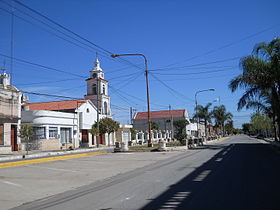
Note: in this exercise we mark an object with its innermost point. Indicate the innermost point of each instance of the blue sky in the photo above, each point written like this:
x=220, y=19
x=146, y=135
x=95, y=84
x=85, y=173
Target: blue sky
x=190, y=46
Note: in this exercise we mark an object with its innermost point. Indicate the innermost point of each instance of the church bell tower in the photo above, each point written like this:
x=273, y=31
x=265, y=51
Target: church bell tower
x=97, y=89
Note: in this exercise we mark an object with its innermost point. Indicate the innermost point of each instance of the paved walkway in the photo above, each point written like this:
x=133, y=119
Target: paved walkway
x=38, y=154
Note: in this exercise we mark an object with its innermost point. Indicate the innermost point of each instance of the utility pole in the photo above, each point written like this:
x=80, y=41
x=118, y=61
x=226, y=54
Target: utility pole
x=171, y=122
x=150, y=143
x=97, y=123
x=131, y=115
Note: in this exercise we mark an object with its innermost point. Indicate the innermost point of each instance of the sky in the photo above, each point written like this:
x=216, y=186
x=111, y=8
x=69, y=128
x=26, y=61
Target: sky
x=190, y=46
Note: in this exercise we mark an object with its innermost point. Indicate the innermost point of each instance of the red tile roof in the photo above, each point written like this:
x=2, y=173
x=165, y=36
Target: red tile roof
x=160, y=114
x=56, y=105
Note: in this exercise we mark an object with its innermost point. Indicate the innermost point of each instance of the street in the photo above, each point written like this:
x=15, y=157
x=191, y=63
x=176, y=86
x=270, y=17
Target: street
x=237, y=173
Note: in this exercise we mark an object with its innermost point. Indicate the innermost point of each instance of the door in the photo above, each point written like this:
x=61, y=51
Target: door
x=101, y=139
x=14, y=138
x=84, y=136
x=1, y=134
x=65, y=135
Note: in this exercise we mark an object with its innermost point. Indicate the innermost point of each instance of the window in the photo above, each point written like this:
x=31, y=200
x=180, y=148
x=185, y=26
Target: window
x=65, y=135
x=39, y=132
x=53, y=132
x=87, y=110
x=104, y=90
x=105, y=108
x=1, y=134
x=94, y=91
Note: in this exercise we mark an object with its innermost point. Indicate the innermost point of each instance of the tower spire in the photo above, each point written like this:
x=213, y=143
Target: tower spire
x=3, y=68
x=97, y=63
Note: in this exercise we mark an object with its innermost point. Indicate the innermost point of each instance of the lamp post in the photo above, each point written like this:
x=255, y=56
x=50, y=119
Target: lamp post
x=150, y=144
x=195, y=96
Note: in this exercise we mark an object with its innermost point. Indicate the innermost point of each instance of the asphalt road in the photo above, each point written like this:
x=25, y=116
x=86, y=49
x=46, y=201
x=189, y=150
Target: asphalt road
x=238, y=173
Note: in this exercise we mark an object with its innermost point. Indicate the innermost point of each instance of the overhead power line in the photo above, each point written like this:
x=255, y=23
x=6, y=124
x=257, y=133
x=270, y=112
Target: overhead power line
x=42, y=66
x=66, y=97
x=171, y=89
x=60, y=70
x=81, y=44
x=72, y=32
x=197, y=64
x=226, y=45
x=192, y=73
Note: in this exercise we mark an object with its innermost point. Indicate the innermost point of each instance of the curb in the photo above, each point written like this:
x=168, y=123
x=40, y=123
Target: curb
x=48, y=159
x=49, y=154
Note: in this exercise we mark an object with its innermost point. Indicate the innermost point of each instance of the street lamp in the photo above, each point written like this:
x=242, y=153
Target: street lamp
x=195, y=96
x=150, y=144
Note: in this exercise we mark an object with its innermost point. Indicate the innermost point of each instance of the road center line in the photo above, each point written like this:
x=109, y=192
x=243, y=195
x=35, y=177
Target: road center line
x=11, y=183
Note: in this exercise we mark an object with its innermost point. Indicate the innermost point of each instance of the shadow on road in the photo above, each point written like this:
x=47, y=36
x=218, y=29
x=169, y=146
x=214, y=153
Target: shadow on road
x=241, y=176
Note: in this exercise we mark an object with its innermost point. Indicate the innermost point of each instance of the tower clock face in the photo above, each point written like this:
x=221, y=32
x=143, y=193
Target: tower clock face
x=94, y=75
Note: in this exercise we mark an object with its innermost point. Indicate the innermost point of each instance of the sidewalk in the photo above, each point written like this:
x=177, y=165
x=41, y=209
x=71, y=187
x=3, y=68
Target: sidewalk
x=272, y=142
x=37, y=154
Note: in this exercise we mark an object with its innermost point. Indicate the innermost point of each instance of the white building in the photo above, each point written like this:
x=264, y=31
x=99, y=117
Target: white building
x=192, y=127
x=10, y=114
x=68, y=122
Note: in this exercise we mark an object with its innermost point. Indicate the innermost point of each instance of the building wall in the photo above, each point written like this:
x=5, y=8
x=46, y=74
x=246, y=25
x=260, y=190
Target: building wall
x=192, y=129
x=87, y=116
x=10, y=103
x=10, y=114
x=164, y=123
x=47, y=119
x=50, y=144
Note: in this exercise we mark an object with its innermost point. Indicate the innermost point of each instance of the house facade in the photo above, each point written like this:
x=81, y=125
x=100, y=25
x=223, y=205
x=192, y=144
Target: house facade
x=59, y=124
x=10, y=115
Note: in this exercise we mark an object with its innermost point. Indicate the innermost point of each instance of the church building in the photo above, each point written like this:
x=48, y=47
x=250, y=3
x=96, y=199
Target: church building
x=68, y=123
x=10, y=113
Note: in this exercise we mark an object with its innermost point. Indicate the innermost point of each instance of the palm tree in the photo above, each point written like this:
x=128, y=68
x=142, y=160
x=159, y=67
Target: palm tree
x=221, y=116
x=202, y=112
x=263, y=105
x=260, y=77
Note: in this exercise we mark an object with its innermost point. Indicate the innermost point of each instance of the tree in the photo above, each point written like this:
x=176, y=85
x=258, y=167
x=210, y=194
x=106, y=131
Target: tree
x=261, y=123
x=246, y=127
x=25, y=132
x=106, y=125
x=154, y=126
x=180, y=127
x=221, y=116
x=229, y=127
x=261, y=77
x=203, y=113
x=133, y=132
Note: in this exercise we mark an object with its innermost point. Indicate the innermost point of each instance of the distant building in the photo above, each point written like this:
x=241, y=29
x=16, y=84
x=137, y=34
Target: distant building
x=164, y=121
x=10, y=115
